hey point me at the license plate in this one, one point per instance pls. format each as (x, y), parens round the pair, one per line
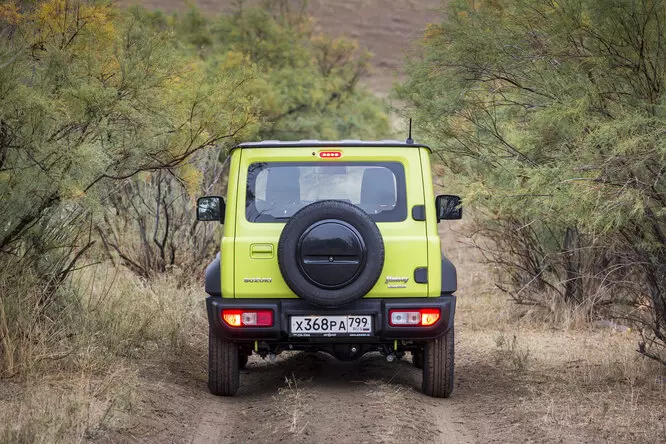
(330, 326)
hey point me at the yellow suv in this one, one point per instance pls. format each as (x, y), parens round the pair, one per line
(330, 246)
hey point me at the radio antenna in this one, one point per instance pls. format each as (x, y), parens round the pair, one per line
(409, 140)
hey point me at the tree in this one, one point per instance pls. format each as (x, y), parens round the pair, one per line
(92, 95)
(550, 116)
(305, 86)
(307, 82)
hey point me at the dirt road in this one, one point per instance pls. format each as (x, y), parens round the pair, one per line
(313, 398)
(539, 385)
(299, 398)
(545, 386)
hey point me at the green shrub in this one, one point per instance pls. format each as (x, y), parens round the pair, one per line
(550, 117)
(112, 122)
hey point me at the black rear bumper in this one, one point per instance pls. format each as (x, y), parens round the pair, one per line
(284, 308)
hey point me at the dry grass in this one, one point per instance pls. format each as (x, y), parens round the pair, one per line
(596, 379)
(71, 366)
(291, 403)
(555, 376)
(401, 412)
(545, 375)
(68, 408)
(508, 348)
(388, 399)
(531, 374)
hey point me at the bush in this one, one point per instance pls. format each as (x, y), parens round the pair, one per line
(305, 86)
(550, 117)
(110, 122)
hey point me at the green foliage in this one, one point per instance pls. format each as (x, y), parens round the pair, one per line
(108, 123)
(90, 93)
(307, 84)
(550, 116)
(90, 96)
(304, 86)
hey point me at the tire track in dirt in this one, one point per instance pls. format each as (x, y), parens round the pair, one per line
(301, 398)
(213, 424)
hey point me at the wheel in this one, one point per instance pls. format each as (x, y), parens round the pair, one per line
(417, 359)
(438, 363)
(242, 360)
(330, 253)
(223, 366)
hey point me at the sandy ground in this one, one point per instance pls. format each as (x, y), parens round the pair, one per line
(300, 398)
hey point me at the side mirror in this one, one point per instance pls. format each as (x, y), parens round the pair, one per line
(448, 207)
(210, 208)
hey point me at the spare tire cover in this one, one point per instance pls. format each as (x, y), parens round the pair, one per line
(330, 253)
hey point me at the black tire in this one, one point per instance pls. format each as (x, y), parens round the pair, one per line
(242, 360)
(369, 270)
(417, 359)
(438, 365)
(223, 366)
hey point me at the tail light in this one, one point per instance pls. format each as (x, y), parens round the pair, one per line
(417, 317)
(248, 318)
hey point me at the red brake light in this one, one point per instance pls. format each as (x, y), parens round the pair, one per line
(248, 318)
(330, 154)
(417, 317)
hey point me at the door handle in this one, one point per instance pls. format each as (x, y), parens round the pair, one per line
(261, 251)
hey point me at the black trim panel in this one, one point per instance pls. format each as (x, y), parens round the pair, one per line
(213, 283)
(418, 212)
(449, 276)
(421, 275)
(378, 308)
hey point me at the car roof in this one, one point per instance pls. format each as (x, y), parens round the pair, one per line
(331, 144)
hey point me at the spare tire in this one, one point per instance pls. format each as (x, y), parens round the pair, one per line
(330, 253)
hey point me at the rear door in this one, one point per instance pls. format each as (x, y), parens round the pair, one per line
(274, 183)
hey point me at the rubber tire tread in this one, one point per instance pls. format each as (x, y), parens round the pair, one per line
(303, 219)
(223, 366)
(438, 366)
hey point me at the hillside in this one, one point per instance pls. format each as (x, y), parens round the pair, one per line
(387, 28)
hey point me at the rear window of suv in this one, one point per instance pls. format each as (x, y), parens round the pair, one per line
(277, 190)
